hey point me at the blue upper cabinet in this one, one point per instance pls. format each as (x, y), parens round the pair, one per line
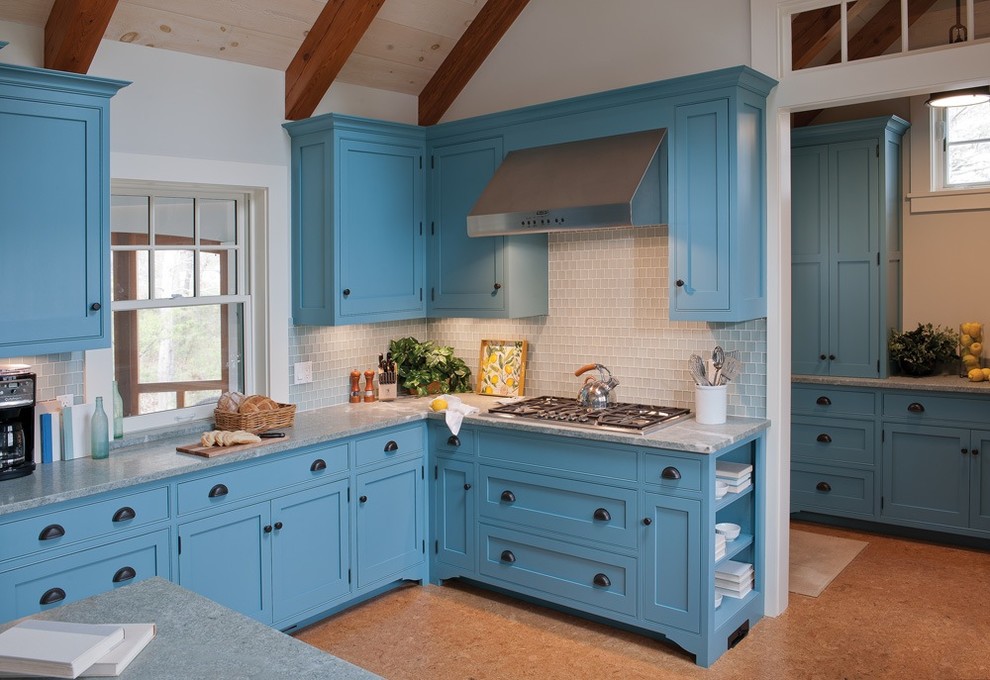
(717, 204)
(845, 246)
(54, 209)
(496, 276)
(357, 221)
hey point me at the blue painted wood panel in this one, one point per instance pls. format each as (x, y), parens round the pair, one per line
(455, 501)
(809, 260)
(979, 481)
(672, 561)
(390, 526)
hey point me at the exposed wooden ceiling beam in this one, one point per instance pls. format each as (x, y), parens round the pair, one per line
(466, 57)
(73, 33)
(323, 52)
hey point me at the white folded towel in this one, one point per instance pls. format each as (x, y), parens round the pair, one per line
(455, 412)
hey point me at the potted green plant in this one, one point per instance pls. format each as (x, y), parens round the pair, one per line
(919, 352)
(428, 368)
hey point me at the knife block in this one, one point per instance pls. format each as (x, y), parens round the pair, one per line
(386, 391)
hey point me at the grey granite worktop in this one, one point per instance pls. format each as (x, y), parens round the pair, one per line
(198, 638)
(931, 383)
(157, 460)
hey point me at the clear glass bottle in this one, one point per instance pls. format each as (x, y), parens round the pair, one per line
(99, 431)
(970, 347)
(118, 413)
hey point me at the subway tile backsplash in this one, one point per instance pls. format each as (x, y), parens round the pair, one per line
(57, 374)
(608, 304)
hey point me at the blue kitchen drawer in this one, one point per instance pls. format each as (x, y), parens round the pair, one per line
(82, 574)
(833, 490)
(239, 483)
(464, 443)
(672, 472)
(560, 453)
(925, 407)
(81, 522)
(820, 400)
(389, 445)
(582, 510)
(563, 572)
(827, 441)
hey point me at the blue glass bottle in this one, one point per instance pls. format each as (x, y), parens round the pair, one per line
(118, 413)
(99, 432)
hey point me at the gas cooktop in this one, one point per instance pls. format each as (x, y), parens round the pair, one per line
(629, 418)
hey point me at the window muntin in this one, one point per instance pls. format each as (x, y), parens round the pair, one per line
(962, 146)
(179, 266)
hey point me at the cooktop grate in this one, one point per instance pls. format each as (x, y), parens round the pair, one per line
(619, 417)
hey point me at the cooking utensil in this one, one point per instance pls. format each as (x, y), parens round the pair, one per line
(718, 359)
(596, 394)
(696, 366)
(731, 368)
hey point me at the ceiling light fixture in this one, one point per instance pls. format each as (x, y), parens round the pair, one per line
(965, 97)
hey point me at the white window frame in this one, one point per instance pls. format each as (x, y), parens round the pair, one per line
(940, 158)
(249, 295)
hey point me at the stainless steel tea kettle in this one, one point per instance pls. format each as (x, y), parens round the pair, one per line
(596, 394)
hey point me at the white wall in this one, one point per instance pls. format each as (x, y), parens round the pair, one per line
(565, 48)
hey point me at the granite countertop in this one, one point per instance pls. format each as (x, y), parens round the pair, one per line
(151, 461)
(932, 383)
(198, 638)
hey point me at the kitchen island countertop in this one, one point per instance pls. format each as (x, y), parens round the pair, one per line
(198, 638)
(151, 461)
(933, 383)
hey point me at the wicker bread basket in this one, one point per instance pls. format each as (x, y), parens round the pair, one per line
(259, 421)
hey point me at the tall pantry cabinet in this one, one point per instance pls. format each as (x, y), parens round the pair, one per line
(846, 246)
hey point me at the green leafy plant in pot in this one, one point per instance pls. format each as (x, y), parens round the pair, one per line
(428, 368)
(919, 352)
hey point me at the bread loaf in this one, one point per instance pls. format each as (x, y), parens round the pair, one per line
(230, 401)
(225, 438)
(256, 403)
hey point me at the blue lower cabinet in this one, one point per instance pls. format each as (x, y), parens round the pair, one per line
(390, 529)
(227, 558)
(310, 550)
(57, 581)
(979, 476)
(455, 500)
(671, 557)
(832, 490)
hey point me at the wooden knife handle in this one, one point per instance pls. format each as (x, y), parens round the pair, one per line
(585, 369)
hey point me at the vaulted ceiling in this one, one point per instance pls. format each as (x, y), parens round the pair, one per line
(426, 48)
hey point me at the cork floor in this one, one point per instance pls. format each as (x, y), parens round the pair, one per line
(902, 609)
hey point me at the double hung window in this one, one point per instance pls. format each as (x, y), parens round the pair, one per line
(961, 136)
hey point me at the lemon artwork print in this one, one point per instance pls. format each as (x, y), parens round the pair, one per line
(502, 365)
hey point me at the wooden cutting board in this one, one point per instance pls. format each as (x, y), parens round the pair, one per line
(211, 451)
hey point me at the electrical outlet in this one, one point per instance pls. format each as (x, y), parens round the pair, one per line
(66, 400)
(303, 372)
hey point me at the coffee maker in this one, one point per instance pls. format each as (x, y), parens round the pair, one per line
(17, 401)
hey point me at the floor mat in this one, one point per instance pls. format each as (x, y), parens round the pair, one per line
(816, 559)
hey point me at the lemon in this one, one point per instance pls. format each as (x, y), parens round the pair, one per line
(969, 361)
(438, 404)
(977, 375)
(976, 349)
(986, 372)
(965, 339)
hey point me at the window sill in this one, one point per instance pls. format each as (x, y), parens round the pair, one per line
(958, 200)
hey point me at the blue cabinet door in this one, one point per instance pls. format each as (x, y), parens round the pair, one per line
(310, 554)
(390, 527)
(809, 260)
(52, 211)
(227, 558)
(979, 481)
(379, 220)
(854, 276)
(456, 495)
(671, 554)
(926, 474)
(699, 224)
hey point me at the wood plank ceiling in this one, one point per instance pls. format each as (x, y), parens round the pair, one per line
(426, 48)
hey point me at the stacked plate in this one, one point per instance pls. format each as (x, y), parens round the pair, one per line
(734, 579)
(719, 546)
(737, 476)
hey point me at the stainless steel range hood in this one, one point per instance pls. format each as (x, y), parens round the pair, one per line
(602, 182)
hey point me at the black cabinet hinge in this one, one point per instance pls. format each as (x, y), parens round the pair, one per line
(433, 228)
(433, 294)
(420, 294)
(883, 436)
(436, 547)
(878, 258)
(348, 575)
(180, 545)
(348, 494)
(881, 502)
(432, 164)
(421, 230)
(424, 546)
(878, 151)
(422, 472)
(420, 162)
(436, 472)
(878, 367)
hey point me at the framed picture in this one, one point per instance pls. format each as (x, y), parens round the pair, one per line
(502, 368)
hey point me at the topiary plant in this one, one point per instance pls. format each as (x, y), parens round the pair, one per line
(919, 352)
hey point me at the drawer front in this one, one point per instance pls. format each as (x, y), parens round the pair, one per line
(224, 488)
(927, 408)
(826, 400)
(61, 580)
(829, 440)
(560, 453)
(389, 445)
(585, 578)
(79, 523)
(672, 472)
(464, 443)
(820, 489)
(581, 510)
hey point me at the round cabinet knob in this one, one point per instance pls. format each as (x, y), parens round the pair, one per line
(96, 306)
(679, 283)
(965, 451)
(346, 291)
(831, 357)
(822, 357)
(497, 286)
(363, 499)
(267, 528)
(453, 440)
(647, 521)
(975, 452)
(467, 487)
(278, 525)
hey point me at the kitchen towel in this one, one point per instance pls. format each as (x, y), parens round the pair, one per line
(455, 412)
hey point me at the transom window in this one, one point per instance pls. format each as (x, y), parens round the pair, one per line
(180, 298)
(961, 142)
